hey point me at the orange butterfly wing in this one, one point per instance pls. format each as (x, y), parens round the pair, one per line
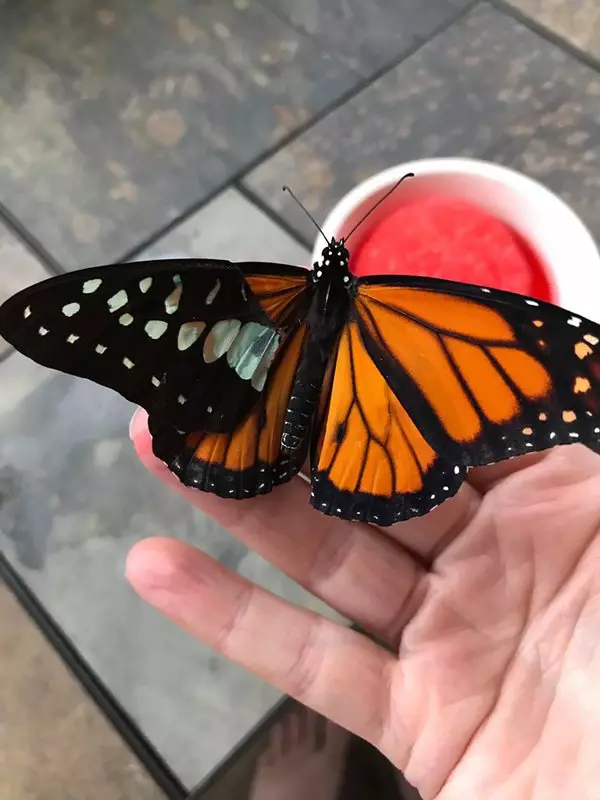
(432, 377)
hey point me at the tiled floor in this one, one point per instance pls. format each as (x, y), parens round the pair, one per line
(114, 121)
(487, 88)
(24, 269)
(54, 742)
(578, 23)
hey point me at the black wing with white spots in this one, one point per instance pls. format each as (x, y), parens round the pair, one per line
(187, 340)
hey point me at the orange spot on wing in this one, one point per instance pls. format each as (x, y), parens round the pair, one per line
(581, 385)
(582, 350)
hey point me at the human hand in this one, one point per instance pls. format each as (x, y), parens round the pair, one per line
(489, 605)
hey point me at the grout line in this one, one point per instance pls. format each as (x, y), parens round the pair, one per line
(273, 215)
(310, 38)
(236, 178)
(5, 354)
(15, 226)
(548, 34)
(128, 731)
(240, 751)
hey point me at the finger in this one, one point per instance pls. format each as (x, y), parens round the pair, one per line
(374, 609)
(331, 668)
(354, 568)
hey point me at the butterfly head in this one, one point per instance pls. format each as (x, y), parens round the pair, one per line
(334, 262)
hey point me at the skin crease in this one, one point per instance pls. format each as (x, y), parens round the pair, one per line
(489, 607)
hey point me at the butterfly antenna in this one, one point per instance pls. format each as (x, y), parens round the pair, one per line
(307, 212)
(378, 203)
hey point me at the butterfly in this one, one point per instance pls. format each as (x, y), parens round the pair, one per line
(392, 386)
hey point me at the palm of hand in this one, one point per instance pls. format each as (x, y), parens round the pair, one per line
(491, 602)
(495, 688)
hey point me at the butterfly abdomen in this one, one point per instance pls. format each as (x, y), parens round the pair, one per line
(302, 404)
(325, 319)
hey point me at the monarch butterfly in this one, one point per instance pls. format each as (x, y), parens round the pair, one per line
(393, 386)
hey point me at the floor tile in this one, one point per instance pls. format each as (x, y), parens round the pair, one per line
(114, 121)
(18, 269)
(54, 742)
(486, 88)
(73, 500)
(367, 35)
(579, 22)
(230, 227)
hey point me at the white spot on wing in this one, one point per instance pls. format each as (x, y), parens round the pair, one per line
(125, 319)
(220, 338)
(172, 301)
(574, 321)
(213, 292)
(189, 333)
(155, 381)
(100, 348)
(155, 328)
(483, 289)
(117, 301)
(532, 302)
(89, 287)
(72, 338)
(456, 470)
(127, 362)
(145, 284)
(70, 309)
(27, 312)
(181, 399)
(43, 331)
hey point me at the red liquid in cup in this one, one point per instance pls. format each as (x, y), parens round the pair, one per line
(447, 238)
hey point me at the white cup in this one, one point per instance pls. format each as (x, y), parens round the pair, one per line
(562, 243)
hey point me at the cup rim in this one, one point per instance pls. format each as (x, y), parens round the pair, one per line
(570, 289)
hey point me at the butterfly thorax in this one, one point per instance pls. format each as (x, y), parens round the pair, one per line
(332, 287)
